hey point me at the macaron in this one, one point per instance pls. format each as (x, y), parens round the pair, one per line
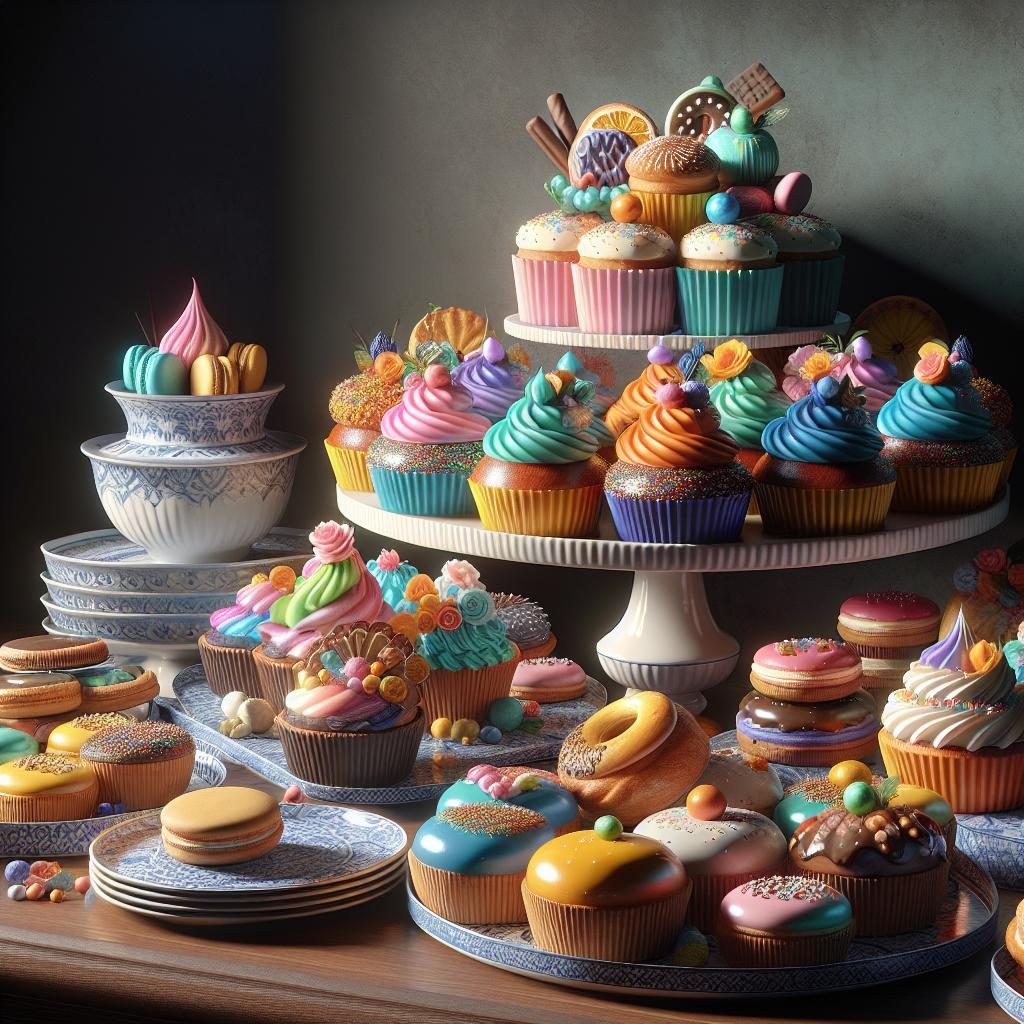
(51, 653)
(38, 694)
(227, 825)
(806, 670)
(106, 689)
(214, 375)
(148, 371)
(889, 624)
(251, 363)
(547, 680)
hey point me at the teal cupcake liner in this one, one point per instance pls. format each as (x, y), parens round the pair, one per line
(717, 302)
(423, 493)
(810, 292)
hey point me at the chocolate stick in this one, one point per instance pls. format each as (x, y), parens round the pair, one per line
(561, 118)
(554, 149)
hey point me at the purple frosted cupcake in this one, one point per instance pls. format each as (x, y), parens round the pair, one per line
(493, 380)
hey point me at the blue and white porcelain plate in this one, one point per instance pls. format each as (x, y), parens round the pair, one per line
(1007, 980)
(320, 846)
(113, 602)
(966, 924)
(198, 710)
(996, 842)
(129, 628)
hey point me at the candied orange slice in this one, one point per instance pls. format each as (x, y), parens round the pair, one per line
(623, 117)
(897, 327)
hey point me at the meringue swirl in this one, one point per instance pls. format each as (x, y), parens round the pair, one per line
(437, 413)
(748, 403)
(490, 379)
(251, 608)
(812, 432)
(672, 438)
(934, 412)
(195, 333)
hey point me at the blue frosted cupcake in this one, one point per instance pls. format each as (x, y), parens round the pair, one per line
(493, 380)
(677, 480)
(392, 574)
(729, 281)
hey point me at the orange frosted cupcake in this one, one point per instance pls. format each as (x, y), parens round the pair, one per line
(638, 394)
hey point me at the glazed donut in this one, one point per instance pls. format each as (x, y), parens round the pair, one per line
(635, 756)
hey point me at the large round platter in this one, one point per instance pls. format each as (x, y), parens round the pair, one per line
(1007, 980)
(996, 842)
(903, 533)
(71, 598)
(197, 709)
(105, 560)
(72, 838)
(573, 337)
(966, 924)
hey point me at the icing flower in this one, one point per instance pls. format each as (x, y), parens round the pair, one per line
(728, 360)
(388, 560)
(965, 578)
(932, 368)
(808, 364)
(476, 607)
(419, 586)
(332, 542)
(991, 560)
(425, 621)
(460, 574)
(448, 617)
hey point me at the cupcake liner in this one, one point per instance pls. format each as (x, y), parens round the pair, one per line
(746, 948)
(350, 469)
(275, 677)
(544, 292)
(1006, 469)
(672, 213)
(228, 668)
(632, 934)
(945, 489)
(625, 301)
(351, 759)
(686, 521)
(142, 786)
(971, 782)
(49, 806)
(467, 692)
(809, 757)
(716, 302)
(890, 904)
(817, 512)
(422, 494)
(810, 291)
(567, 512)
(469, 899)
(710, 890)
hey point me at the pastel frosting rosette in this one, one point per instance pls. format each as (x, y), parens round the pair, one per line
(677, 480)
(195, 333)
(540, 474)
(808, 364)
(877, 377)
(661, 369)
(493, 380)
(392, 573)
(957, 724)
(939, 436)
(429, 444)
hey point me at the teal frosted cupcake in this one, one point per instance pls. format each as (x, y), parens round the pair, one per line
(392, 574)
(729, 281)
(747, 155)
(812, 264)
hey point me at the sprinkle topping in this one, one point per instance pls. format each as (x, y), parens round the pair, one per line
(137, 743)
(108, 720)
(807, 643)
(787, 887)
(492, 819)
(48, 764)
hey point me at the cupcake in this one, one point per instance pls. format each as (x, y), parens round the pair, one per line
(357, 406)
(456, 629)
(939, 436)
(784, 921)
(526, 625)
(226, 647)
(467, 863)
(822, 473)
(334, 588)
(605, 894)
(729, 281)
(354, 718)
(392, 574)
(748, 782)
(721, 847)
(957, 725)
(141, 765)
(638, 394)
(673, 177)
(819, 793)
(812, 264)
(891, 863)
(747, 155)
(428, 446)
(548, 680)
(677, 480)
(545, 251)
(624, 280)
(493, 380)
(540, 474)
(67, 739)
(877, 378)
(47, 787)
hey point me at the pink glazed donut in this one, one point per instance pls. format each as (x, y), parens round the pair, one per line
(807, 670)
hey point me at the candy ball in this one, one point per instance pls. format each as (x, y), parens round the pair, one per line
(506, 713)
(83, 882)
(531, 709)
(792, 192)
(119, 808)
(608, 827)
(17, 871)
(36, 891)
(860, 798)
(16, 892)
(104, 809)
(690, 949)
(441, 728)
(56, 895)
(626, 208)
(490, 734)
(293, 795)
(845, 772)
(465, 730)
(705, 803)
(722, 208)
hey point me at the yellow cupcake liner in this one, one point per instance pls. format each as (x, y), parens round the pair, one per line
(945, 489)
(820, 512)
(350, 469)
(742, 948)
(672, 213)
(469, 899)
(568, 512)
(142, 786)
(467, 692)
(1006, 469)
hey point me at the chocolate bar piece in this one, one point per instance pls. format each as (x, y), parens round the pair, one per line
(756, 89)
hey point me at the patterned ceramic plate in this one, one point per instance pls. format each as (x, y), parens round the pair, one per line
(1008, 984)
(996, 842)
(320, 846)
(966, 924)
(82, 599)
(199, 713)
(128, 627)
(72, 838)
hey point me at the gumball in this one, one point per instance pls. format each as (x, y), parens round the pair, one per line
(506, 713)
(490, 734)
(845, 772)
(690, 949)
(292, 795)
(56, 895)
(441, 728)
(722, 208)
(104, 809)
(83, 882)
(558, 183)
(17, 871)
(626, 208)
(36, 891)
(531, 708)
(16, 892)
(792, 192)
(608, 827)
(705, 803)
(465, 730)
(753, 199)
(860, 798)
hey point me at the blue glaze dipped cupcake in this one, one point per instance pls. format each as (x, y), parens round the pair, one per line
(939, 436)
(822, 472)
(493, 380)
(729, 281)
(677, 480)
(467, 863)
(429, 444)
(392, 574)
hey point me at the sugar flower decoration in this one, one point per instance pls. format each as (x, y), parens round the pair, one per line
(460, 574)
(332, 542)
(729, 360)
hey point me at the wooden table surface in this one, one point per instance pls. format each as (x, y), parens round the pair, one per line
(370, 963)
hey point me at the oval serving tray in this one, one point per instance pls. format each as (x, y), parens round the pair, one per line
(1008, 984)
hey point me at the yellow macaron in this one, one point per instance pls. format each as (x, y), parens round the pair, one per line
(214, 375)
(251, 364)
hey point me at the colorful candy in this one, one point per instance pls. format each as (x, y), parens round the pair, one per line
(36, 891)
(845, 772)
(44, 868)
(722, 208)
(690, 949)
(490, 734)
(17, 871)
(608, 827)
(465, 730)
(293, 795)
(705, 803)
(56, 895)
(16, 892)
(83, 882)
(860, 798)
(62, 880)
(506, 713)
(441, 728)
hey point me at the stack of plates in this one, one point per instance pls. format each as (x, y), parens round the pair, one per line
(329, 858)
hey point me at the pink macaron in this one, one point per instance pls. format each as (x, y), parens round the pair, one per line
(806, 670)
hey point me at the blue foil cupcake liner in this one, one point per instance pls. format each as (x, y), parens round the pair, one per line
(423, 494)
(810, 292)
(717, 302)
(679, 520)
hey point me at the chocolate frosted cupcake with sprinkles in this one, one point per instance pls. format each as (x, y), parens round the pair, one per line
(526, 625)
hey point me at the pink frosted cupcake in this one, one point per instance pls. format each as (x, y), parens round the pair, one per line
(547, 247)
(878, 377)
(625, 282)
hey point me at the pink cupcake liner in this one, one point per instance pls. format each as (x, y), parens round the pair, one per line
(544, 292)
(625, 301)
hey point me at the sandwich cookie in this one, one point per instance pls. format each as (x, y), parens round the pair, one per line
(251, 363)
(547, 680)
(38, 694)
(148, 371)
(214, 375)
(106, 689)
(51, 653)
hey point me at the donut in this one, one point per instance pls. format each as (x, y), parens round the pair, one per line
(633, 757)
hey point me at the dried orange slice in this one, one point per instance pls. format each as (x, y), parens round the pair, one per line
(462, 328)
(623, 117)
(897, 327)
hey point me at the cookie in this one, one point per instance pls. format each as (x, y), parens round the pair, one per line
(214, 375)
(38, 694)
(251, 364)
(51, 653)
(227, 825)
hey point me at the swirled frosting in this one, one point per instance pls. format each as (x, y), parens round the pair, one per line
(251, 608)
(748, 403)
(821, 432)
(934, 412)
(878, 377)
(640, 392)
(433, 410)
(195, 333)
(470, 646)
(392, 574)
(555, 231)
(538, 429)
(493, 382)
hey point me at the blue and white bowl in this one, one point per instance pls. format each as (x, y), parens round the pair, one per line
(133, 629)
(81, 599)
(192, 421)
(194, 505)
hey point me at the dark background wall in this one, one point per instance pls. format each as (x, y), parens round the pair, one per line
(319, 165)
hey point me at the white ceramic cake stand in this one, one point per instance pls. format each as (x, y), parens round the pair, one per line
(667, 638)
